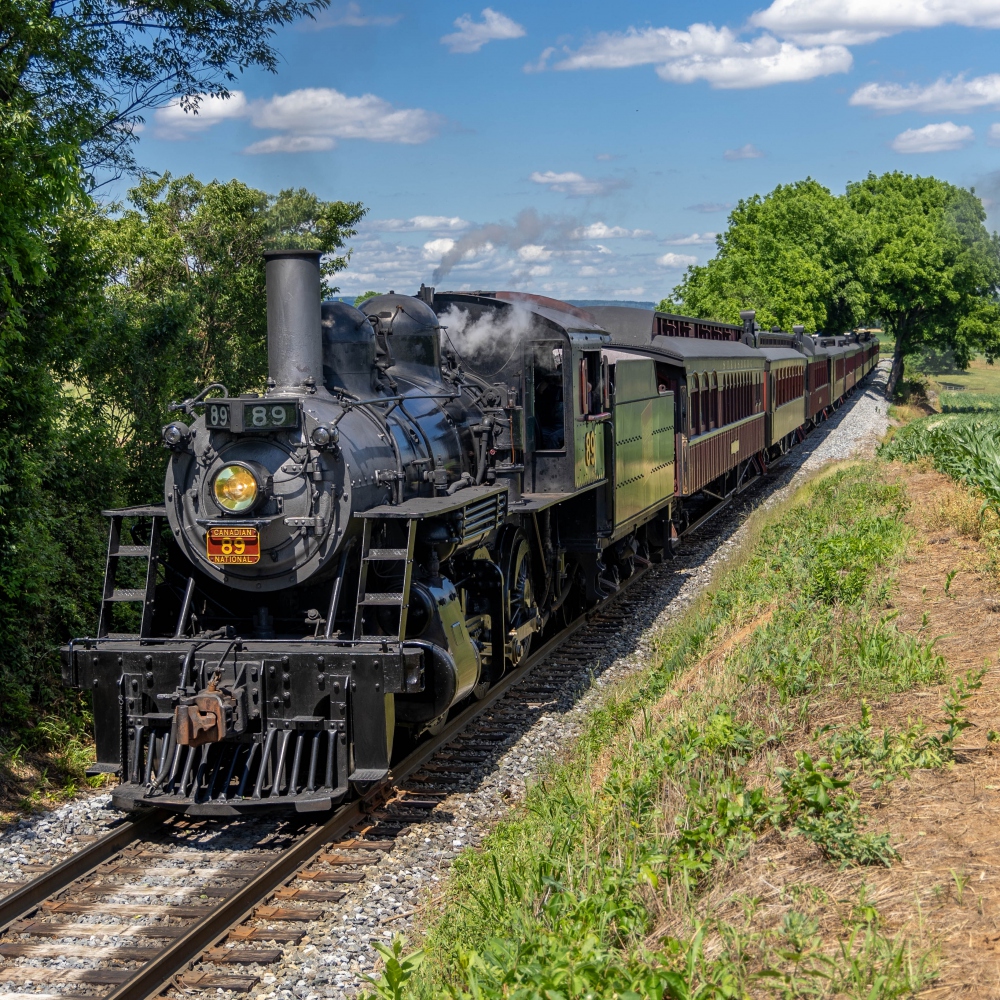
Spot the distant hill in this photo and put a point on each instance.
(583, 303)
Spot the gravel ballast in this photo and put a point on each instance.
(402, 886)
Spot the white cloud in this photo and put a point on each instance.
(993, 136)
(532, 251)
(937, 138)
(747, 152)
(419, 224)
(436, 249)
(473, 35)
(541, 64)
(676, 261)
(710, 207)
(694, 240)
(576, 185)
(540, 271)
(704, 52)
(602, 231)
(348, 16)
(957, 94)
(173, 122)
(856, 22)
(325, 112)
(629, 293)
(291, 144)
(307, 120)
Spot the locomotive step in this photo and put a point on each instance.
(390, 554)
(382, 599)
(129, 594)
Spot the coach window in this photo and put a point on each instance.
(694, 405)
(549, 420)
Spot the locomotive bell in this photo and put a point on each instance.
(294, 333)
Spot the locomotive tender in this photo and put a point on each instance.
(430, 486)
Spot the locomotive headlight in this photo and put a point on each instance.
(175, 434)
(235, 488)
(322, 436)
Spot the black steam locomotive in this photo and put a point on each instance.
(429, 487)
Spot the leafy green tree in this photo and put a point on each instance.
(932, 269)
(794, 255)
(364, 297)
(187, 303)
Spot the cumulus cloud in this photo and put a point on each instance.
(993, 136)
(206, 110)
(436, 249)
(349, 16)
(676, 261)
(704, 52)
(419, 224)
(307, 120)
(692, 240)
(534, 251)
(576, 185)
(473, 35)
(937, 138)
(602, 231)
(747, 152)
(325, 112)
(957, 94)
(857, 22)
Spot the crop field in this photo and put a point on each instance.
(800, 797)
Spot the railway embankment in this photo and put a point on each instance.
(797, 794)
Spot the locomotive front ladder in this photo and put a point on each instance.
(368, 601)
(113, 594)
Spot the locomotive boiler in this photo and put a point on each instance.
(427, 489)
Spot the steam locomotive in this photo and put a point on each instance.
(429, 487)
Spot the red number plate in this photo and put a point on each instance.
(233, 545)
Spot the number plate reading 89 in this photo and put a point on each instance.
(267, 416)
(217, 415)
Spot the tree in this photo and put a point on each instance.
(364, 297)
(187, 303)
(794, 255)
(932, 268)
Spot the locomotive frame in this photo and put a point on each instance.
(326, 583)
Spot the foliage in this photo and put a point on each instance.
(933, 269)
(965, 447)
(364, 297)
(567, 898)
(909, 254)
(186, 306)
(793, 255)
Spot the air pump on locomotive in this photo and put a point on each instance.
(341, 561)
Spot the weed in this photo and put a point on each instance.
(397, 972)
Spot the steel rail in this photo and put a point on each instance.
(23, 900)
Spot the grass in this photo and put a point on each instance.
(599, 884)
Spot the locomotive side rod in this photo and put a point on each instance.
(156, 975)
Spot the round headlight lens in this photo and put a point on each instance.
(235, 488)
(321, 436)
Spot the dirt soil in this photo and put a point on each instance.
(944, 891)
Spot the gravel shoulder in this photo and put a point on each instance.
(402, 886)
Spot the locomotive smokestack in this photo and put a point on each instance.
(294, 331)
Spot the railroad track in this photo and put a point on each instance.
(166, 902)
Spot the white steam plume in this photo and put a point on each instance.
(489, 339)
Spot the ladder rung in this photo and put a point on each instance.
(374, 554)
(127, 595)
(135, 551)
(382, 599)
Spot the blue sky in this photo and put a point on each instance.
(592, 149)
